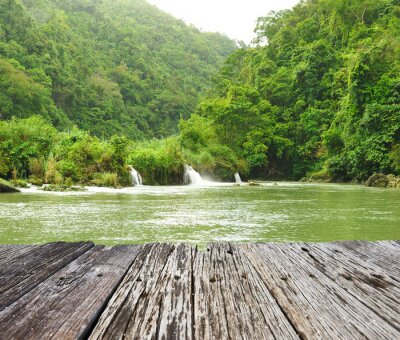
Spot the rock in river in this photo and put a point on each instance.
(5, 187)
(377, 180)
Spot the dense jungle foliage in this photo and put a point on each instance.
(318, 96)
(106, 66)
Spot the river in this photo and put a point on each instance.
(282, 212)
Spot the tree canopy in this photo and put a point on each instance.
(107, 66)
(319, 94)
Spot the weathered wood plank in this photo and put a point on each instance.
(231, 300)
(368, 283)
(153, 301)
(385, 254)
(379, 256)
(67, 304)
(206, 299)
(24, 272)
(10, 251)
(336, 290)
(317, 306)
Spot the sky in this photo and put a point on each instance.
(235, 18)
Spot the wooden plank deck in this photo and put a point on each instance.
(340, 290)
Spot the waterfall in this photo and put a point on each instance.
(136, 178)
(192, 176)
(237, 178)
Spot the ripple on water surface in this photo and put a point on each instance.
(283, 212)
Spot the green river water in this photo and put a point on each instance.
(284, 212)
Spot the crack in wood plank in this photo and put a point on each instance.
(252, 291)
(68, 310)
(24, 272)
(317, 305)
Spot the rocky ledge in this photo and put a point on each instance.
(5, 187)
(383, 181)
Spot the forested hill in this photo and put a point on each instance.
(107, 66)
(320, 96)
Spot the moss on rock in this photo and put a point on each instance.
(383, 181)
(5, 187)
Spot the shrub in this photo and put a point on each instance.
(322, 175)
(36, 180)
(68, 182)
(395, 157)
(105, 180)
(160, 162)
(19, 183)
(36, 167)
(67, 169)
(52, 175)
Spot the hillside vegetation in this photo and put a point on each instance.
(106, 66)
(317, 97)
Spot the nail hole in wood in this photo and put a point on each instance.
(213, 279)
(347, 277)
(99, 275)
(304, 249)
(230, 252)
(177, 277)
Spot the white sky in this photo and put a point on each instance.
(235, 18)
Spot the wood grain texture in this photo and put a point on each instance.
(179, 293)
(373, 286)
(385, 254)
(316, 305)
(24, 272)
(340, 290)
(67, 304)
(10, 251)
(153, 301)
(231, 301)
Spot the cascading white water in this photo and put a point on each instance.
(136, 178)
(191, 176)
(237, 178)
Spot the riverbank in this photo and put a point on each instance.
(79, 290)
(389, 181)
(193, 178)
(205, 184)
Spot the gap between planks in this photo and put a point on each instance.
(250, 291)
